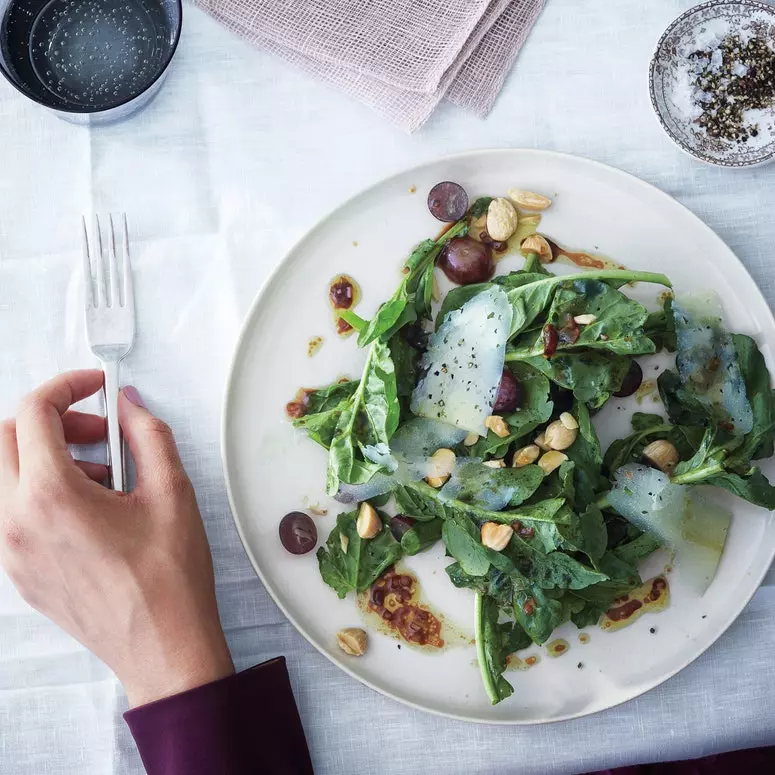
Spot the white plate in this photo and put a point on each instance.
(271, 469)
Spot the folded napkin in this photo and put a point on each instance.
(400, 57)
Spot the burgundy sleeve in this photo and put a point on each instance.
(244, 724)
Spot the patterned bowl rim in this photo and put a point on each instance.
(684, 146)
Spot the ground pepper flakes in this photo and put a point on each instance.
(735, 77)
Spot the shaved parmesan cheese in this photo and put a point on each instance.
(464, 363)
(707, 359)
(693, 527)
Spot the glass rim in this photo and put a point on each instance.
(85, 110)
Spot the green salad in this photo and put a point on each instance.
(472, 424)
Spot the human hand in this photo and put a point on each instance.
(129, 575)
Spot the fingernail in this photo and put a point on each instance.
(130, 391)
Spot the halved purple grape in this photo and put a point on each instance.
(466, 261)
(448, 201)
(298, 533)
(631, 382)
(511, 394)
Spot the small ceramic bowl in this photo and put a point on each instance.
(671, 94)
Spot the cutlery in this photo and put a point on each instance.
(110, 322)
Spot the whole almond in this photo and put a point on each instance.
(529, 199)
(502, 219)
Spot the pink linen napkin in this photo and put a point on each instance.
(400, 57)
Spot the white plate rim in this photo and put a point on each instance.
(225, 410)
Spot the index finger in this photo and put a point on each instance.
(39, 431)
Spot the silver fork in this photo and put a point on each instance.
(110, 323)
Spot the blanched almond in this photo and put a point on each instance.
(494, 463)
(569, 421)
(368, 523)
(551, 461)
(585, 320)
(496, 536)
(537, 244)
(353, 641)
(502, 219)
(526, 456)
(497, 425)
(558, 436)
(471, 439)
(529, 199)
(662, 454)
(442, 463)
(540, 442)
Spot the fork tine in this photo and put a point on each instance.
(101, 299)
(129, 297)
(115, 297)
(88, 281)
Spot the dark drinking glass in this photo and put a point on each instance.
(89, 60)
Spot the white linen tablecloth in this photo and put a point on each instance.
(237, 157)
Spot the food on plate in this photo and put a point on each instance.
(471, 424)
(353, 641)
(298, 533)
(343, 294)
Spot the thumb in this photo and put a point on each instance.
(151, 442)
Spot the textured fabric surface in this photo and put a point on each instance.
(400, 58)
(236, 159)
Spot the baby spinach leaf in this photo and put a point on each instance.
(638, 549)
(759, 442)
(531, 300)
(461, 537)
(492, 644)
(536, 612)
(370, 417)
(491, 488)
(660, 327)
(619, 320)
(402, 308)
(592, 376)
(587, 459)
(421, 536)
(323, 408)
(353, 564)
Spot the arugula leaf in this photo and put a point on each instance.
(369, 417)
(402, 307)
(638, 549)
(538, 614)
(646, 428)
(353, 564)
(492, 643)
(323, 410)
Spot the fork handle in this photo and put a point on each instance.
(115, 442)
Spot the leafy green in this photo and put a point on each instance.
(530, 300)
(592, 376)
(479, 207)
(660, 327)
(461, 537)
(353, 564)
(421, 536)
(413, 291)
(323, 409)
(587, 458)
(369, 417)
(492, 644)
(759, 442)
(492, 488)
